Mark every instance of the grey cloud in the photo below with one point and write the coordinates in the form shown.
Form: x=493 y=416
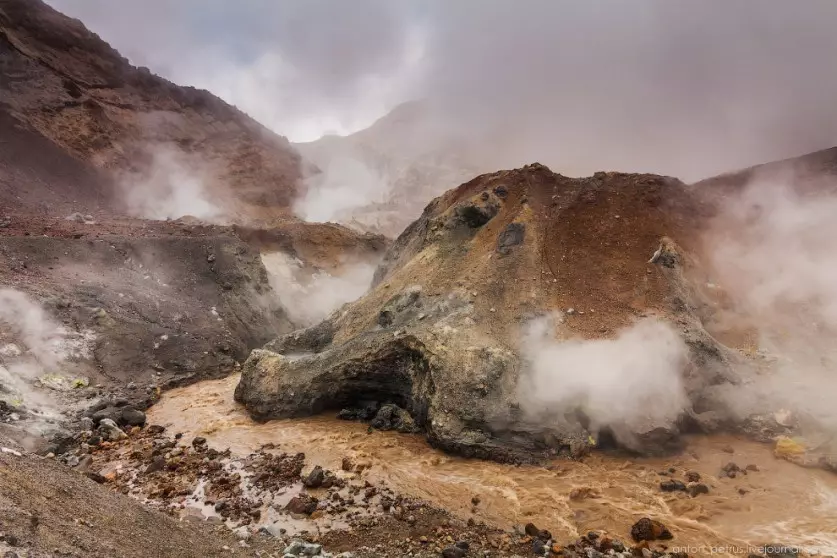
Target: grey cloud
x=684 y=87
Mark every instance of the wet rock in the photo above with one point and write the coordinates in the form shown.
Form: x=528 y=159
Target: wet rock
x=110 y=431
x=315 y=478
x=538 y=547
x=730 y=470
x=454 y=552
x=695 y=488
x=692 y=476
x=464 y=545
x=302 y=504
x=752 y=467
x=511 y=236
x=647 y=529
x=393 y=417
x=155 y=429
x=364 y=412
x=347 y=464
x=131 y=417
x=199 y=443
x=672 y=486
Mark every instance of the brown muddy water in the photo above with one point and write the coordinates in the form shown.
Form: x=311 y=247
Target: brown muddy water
x=781 y=503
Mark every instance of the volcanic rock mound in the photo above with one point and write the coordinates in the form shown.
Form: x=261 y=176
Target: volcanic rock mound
x=439 y=334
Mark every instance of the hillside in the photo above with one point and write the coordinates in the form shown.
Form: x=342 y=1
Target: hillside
x=62 y=84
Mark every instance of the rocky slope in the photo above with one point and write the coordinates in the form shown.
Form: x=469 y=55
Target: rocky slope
x=440 y=333
x=62 y=83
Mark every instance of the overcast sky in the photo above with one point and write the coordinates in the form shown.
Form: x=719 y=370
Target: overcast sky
x=685 y=87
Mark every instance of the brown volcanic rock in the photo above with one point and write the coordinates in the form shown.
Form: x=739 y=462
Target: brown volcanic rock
x=65 y=83
x=439 y=333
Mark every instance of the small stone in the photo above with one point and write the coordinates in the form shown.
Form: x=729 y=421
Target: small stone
x=315 y=478
x=647 y=529
x=453 y=552
x=693 y=476
x=672 y=486
x=199 y=442
x=695 y=488
x=752 y=467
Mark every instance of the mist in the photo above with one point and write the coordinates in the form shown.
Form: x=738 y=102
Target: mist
x=628 y=384
x=688 y=88
x=310 y=295
x=34 y=351
x=168 y=183
x=772 y=250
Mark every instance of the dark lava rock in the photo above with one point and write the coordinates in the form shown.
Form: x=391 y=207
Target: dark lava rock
x=475 y=216
x=155 y=429
x=647 y=529
x=538 y=547
x=302 y=504
x=111 y=412
x=696 y=488
x=531 y=530
x=366 y=411
x=131 y=417
x=199 y=442
x=501 y=192
x=693 y=476
x=393 y=417
x=672 y=486
x=730 y=470
x=752 y=467
x=454 y=552
x=511 y=236
x=463 y=545
x=315 y=478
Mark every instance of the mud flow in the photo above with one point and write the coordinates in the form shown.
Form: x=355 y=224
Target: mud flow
x=772 y=500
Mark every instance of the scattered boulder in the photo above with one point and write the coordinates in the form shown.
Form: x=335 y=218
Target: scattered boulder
x=730 y=470
x=302 y=504
x=393 y=417
x=672 y=486
x=315 y=478
x=132 y=417
x=696 y=488
x=647 y=529
x=110 y=431
x=365 y=412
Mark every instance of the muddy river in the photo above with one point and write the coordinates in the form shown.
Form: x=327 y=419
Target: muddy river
x=780 y=503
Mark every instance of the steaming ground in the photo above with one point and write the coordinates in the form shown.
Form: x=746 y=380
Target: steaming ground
x=310 y=295
x=631 y=383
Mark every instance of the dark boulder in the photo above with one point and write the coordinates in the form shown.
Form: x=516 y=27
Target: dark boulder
x=647 y=529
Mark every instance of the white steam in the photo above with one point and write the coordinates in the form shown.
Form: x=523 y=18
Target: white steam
x=630 y=384
x=773 y=251
x=344 y=186
x=310 y=296
x=34 y=351
x=171 y=186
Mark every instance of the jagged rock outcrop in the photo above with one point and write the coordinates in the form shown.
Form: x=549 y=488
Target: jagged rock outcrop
x=439 y=334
